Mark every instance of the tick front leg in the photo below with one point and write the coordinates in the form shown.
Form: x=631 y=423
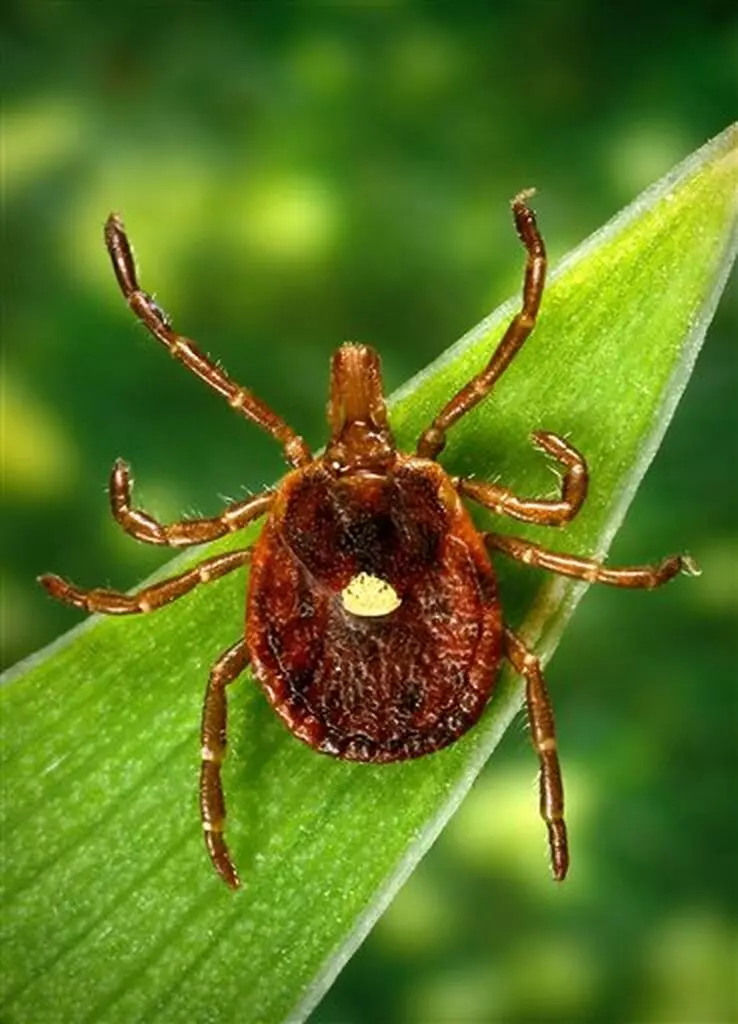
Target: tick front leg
x=142 y=526
x=111 y=602
x=186 y=352
x=644 y=577
x=213 y=736
x=543 y=511
x=543 y=735
x=432 y=440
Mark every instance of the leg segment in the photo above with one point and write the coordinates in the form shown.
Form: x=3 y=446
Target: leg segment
x=213 y=745
x=533 y=510
x=181 y=348
x=433 y=439
x=543 y=735
x=111 y=602
x=644 y=577
x=144 y=527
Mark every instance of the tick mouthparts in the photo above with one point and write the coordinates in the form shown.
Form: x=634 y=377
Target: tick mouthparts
x=357 y=392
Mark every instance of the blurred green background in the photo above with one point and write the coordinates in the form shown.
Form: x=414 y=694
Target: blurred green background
x=296 y=175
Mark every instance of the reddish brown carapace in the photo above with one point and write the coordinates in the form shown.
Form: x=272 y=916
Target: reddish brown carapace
x=373 y=687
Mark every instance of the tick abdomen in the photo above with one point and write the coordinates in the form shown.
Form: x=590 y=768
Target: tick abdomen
x=358 y=682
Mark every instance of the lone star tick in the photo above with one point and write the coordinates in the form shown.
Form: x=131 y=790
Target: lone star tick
x=373 y=620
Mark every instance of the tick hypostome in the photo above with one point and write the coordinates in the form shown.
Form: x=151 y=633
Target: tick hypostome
x=373 y=621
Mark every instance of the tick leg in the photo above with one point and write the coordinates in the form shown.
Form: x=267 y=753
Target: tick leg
x=543 y=735
x=144 y=527
x=644 y=577
x=111 y=602
x=181 y=348
x=543 y=511
x=433 y=439
x=213 y=745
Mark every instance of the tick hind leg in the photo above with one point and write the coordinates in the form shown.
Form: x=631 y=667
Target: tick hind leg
x=142 y=526
x=185 y=350
x=213 y=745
x=433 y=439
x=644 y=577
x=112 y=602
x=543 y=735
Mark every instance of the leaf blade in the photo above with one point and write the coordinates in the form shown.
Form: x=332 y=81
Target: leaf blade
x=102 y=849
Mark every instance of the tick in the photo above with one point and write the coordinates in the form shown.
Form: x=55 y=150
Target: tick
x=373 y=621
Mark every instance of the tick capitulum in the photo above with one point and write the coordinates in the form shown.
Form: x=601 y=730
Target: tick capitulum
x=373 y=621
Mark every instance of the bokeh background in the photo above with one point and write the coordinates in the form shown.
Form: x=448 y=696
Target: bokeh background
x=294 y=175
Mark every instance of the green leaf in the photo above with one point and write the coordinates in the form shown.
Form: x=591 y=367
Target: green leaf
x=110 y=909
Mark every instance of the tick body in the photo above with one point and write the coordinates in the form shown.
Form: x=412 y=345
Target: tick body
x=348 y=677
x=373 y=622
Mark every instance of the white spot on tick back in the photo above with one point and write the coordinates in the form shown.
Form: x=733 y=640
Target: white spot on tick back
x=369 y=595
